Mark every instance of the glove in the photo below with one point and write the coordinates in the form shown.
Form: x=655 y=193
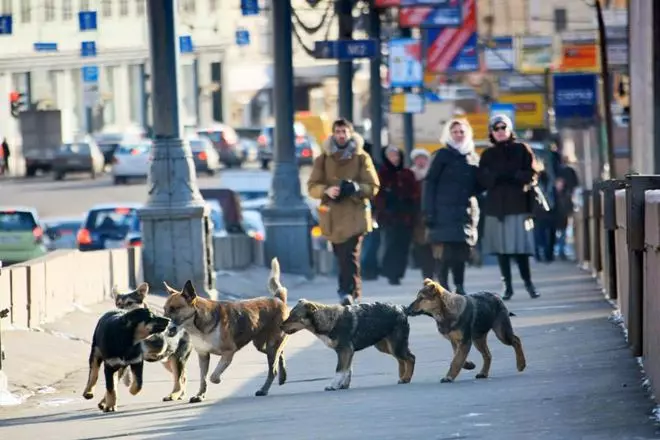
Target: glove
x=348 y=188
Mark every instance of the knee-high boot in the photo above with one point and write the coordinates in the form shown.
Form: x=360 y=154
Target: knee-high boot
x=505 y=270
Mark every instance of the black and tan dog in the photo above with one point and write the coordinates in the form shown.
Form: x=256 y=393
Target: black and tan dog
x=172 y=349
x=465 y=320
x=223 y=327
x=117 y=344
x=347 y=329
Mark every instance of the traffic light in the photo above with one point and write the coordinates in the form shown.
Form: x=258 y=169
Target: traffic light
x=16 y=103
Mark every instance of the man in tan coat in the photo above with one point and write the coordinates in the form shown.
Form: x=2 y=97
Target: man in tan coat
x=344 y=179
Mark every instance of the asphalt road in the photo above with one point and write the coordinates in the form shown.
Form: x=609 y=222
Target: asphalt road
x=581 y=383
x=78 y=193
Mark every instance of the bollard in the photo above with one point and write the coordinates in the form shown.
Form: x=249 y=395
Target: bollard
x=3 y=314
x=586 y=216
x=594 y=231
x=636 y=187
x=608 y=189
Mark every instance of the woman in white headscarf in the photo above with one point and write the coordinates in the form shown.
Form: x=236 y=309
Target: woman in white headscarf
x=422 y=252
x=449 y=203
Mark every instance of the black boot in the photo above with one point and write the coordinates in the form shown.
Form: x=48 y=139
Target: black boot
x=458 y=273
x=505 y=270
x=526 y=275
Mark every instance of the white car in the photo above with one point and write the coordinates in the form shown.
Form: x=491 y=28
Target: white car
x=131 y=161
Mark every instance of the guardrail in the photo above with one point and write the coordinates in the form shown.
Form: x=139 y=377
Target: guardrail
x=618 y=233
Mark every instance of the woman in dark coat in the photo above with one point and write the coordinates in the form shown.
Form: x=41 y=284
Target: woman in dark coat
x=507 y=172
x=449 y=203
x=395 y=207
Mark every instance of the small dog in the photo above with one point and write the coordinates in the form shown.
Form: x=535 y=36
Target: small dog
x=347 y=329
x=116 y=344
x=465 y=320
x=224 y=327
x=173 y=350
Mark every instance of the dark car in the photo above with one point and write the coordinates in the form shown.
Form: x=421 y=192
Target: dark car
x=226 y=143
x=110 y=227
x=78 y=157
x=304 y=145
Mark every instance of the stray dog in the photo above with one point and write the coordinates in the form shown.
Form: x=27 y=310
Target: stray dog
x=223 y=327
x=465 y=320
x=347 y=329
x=116 y=344
x=173 y=350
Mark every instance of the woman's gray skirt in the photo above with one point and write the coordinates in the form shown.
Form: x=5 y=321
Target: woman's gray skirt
x=514 y=234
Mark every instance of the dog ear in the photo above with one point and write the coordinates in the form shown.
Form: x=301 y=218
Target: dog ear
x=428 y=281
x=142 y=290
x=170 y=290
x=311 y=307
x=114 y=292
x=188 y=291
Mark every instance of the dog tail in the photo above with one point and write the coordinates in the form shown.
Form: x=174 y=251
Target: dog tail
x=274 y=285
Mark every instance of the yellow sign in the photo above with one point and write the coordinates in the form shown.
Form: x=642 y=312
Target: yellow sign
x=536 y=54
x=406 y=103
x=479 y=124
x=530 y=109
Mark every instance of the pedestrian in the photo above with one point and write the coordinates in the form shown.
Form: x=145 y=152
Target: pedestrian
x=545 y=221
x=371 y=241
x=344 y=178
x=507 y=172
x=566 y=184
x=450 y=206
x=422 y=251
x=5 y=155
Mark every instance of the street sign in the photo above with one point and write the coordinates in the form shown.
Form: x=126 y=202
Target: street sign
x=346 y=49
x=500 y=55
x=249 y=7
x=406 y=103
x=90 y=74
x=498 y=108
x=87 y=21
x=405 y=63
x=45 y=47
x=430 y=13
x=6 y=25
x=88 y=49
x=575 y=96
x=449 y=49
x=242 y=37
x=186 y=44
x=518 y=82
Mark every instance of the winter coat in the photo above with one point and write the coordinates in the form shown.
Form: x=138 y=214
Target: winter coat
x=350 y=216
x=398 y=200
x=506 y=171
x=449 y=203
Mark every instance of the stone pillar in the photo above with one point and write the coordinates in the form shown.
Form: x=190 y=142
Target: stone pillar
x=177 y=243
x=287 y=216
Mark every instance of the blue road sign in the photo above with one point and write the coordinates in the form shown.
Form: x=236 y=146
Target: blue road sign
x=90 y=74
x=242 y=37
x=575 y=96
x=45 y=47
x=88 y=49
x=249 y=7
x=499 y=108
x=6 y=25
x=346 y=49
x=186 y=44
x=87 y=21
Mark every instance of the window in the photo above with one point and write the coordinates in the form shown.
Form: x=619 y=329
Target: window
x=213 y=5
x=67 y=10
x=7 y=7
x=26 y=11
x=106 y=8
x=560 y=20
x=84 y=5
x=187 y=6
x=49 y=10
x=123 y=8
x=139 y=7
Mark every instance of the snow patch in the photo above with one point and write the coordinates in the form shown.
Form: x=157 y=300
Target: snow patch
x=7 y=398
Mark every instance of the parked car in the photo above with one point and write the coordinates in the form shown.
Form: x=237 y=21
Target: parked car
x=110 y=226
x=206 y=159
x=109 y=142
x=21 y=235
x=251 y=224
x=78 y=157
x=225 y=141
x=252 y=186
x=61 y=232
x=131 y=161
x=304 y=145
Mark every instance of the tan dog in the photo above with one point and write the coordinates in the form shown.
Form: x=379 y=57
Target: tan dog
x=223 y=327
x=465 y=320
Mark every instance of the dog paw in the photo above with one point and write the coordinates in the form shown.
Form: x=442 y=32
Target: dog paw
x=196 y=399
x=261 y=393
x=446 y=380
x=281 y=379
x=134 y=389
x=215 y=379
x=469 y=365
x=481 y=376
x=403 y=381
x=330 y=388
x=108 y=409
x=88 y=395
x=172 y=397
x=101 y=406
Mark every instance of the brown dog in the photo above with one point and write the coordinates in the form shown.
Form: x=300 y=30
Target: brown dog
x=223 y=327
x=465 y=320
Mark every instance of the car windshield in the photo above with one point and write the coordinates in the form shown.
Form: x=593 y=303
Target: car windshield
x=113 y=219
x=252 y=220
x=197 y=145
x=134 y=149
x=79 y=148
x=11 y=221
x=214 y=136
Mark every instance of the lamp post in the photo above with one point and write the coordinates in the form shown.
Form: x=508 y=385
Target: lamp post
x=177 y=243
x=287 y=216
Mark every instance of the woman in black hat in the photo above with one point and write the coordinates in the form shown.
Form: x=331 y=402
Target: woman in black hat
x=507 y=171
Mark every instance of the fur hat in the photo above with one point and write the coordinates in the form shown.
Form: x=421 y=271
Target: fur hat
x=503 y=119
x=419 y=152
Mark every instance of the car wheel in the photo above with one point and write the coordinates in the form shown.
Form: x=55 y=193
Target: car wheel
x=264 y=164
x=117 y=180
x=31 y=172
x=210 y=172
x=93 y=174
x=59 y=175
